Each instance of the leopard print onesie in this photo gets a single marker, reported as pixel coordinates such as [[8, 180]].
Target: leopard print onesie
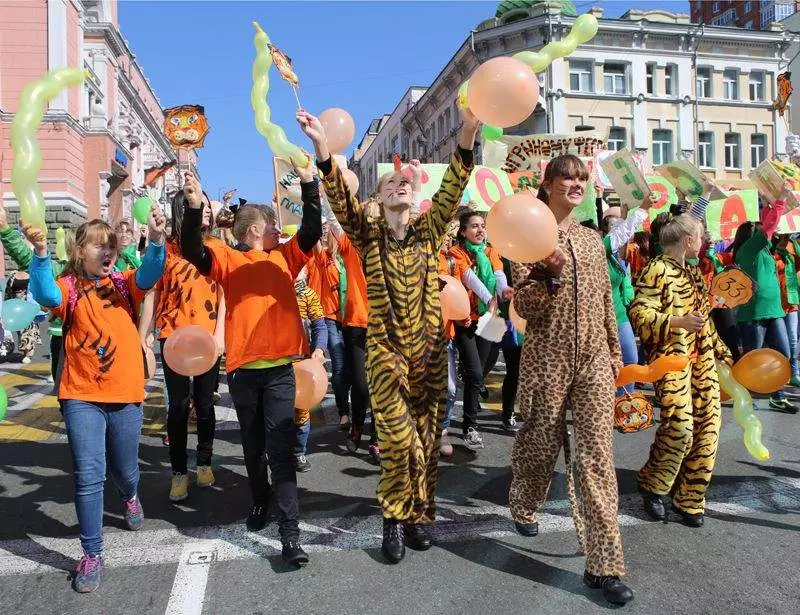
[[406, 350], [570, 355]]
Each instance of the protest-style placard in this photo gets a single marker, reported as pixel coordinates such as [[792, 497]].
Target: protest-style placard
[[523, 153], [626, 178]]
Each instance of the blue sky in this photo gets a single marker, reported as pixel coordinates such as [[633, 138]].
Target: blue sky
[[361, 56]]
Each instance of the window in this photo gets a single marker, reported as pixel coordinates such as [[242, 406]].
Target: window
[[730, 80], [447, 126], [670, 80], [616, 138], [651, 70], [703, 83], [758, 149], [580, 76], [442, 133], [432, 140], [396, 145], [733, 159], [662, 146], [748, 6], [705, 149], [715, 7], [614, 79], [756, 86]]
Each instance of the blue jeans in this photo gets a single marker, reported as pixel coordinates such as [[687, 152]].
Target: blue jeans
[[791, 331], [96, 431], [630, 353], [452, 385], [772, 330], [303, 431], [339, 382]]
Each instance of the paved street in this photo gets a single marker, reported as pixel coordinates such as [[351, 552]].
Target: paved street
[[198, 557]]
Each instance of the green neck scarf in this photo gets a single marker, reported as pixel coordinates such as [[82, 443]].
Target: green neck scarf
[[483, 269], [342, 285]]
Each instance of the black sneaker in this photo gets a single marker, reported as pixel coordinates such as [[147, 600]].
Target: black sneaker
[[417, 537], [690, 519], [293, 553], [301, 463], [527, 529], [783, 405], [614, 590], [654, 506], [257, 518], [484, 392], [393, 546]]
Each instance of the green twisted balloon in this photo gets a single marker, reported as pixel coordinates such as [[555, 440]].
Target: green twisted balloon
[[274, 134], [27, 154], [743, 412], [582, 31]]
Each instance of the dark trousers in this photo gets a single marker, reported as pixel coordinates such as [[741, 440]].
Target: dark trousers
[[56, 341], [511, 354], [180, 389], [355, 352], [264, 403], [728, 330], [473, 352]]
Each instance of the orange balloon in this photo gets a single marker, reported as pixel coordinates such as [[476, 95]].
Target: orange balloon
[[762, 371], [522, 228], [311, 383], [454, 299], [190, 351], [502, 92], [520, 324], [351, 179], [339, 128], [655, 371]]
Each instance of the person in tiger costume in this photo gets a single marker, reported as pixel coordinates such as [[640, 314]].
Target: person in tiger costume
[[406, 351], [670, 313]]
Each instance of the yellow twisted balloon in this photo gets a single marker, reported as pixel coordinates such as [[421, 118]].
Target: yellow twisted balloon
[[61, 244], [274, 134], [582, 31], [27, 154], [743, 412]]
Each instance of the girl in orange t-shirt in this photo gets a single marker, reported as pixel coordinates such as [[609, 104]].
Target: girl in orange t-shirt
[[185, 297], [101, 376]]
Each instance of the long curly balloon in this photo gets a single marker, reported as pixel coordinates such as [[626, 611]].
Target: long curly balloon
[[274, 134], [655, 371], [743, 412], [582, 31], [61, 244], [27, 154]]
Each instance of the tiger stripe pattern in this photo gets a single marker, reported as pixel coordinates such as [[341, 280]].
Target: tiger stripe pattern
[[406, 352], [682, 456]]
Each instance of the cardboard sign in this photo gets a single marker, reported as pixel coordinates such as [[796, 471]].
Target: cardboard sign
[[731, 288], [663, 190], [690, 180], [515, 153], [626, 178], [287, 193], [771, 179], [485, 185]]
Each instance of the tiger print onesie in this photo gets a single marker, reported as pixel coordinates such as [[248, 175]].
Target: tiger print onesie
[[569, 357], [406, 351], [685, 447]]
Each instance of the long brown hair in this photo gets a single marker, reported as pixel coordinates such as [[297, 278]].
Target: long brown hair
[[93, 231], [566, 165]]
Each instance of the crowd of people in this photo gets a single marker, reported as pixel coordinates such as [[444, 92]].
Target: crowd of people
[[359, 282]]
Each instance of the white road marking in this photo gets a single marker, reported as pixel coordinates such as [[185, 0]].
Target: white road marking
[[189, 588]]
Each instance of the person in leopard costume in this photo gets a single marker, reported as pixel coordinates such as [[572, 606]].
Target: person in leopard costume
[[570, 358]]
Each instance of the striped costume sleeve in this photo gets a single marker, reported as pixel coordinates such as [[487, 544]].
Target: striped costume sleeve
[[313, 304], [699, 207], [447, 198], [344, 205], [646, 312]]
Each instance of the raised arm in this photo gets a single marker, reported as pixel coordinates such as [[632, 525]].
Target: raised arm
[[192, 246], [154, 257], [311, 224], [42, 285]]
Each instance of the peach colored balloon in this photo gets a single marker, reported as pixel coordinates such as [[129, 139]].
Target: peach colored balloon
[[351, 179], [522, 228], [190, 351], [311, 383], [502, 92], [454, 299], [520, 324], [339, 128], [762, 371]]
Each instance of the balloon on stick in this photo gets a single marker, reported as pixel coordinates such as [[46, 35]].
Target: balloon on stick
[[311, 383], [522, 228], [339, 128], [190, 351], [27, 154]]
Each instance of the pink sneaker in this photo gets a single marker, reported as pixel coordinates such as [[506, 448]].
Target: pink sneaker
[[134, 515], [375, 452], [87, 575]]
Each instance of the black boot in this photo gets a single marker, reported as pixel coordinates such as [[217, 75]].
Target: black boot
[[257, 518], [614, 590], [527, 529], [293, 553], [654, 506], [393, 546], [417, 537], [689, 519]]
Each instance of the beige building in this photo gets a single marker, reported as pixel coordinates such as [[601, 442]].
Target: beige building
[[652, 80]]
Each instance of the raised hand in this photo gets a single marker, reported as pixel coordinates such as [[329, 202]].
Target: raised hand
[[306, 173], [192, 191], [157, 223], [37, 237], [313, 129]]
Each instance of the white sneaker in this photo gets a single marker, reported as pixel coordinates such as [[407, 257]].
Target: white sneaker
[[473, 439], [26, 360]]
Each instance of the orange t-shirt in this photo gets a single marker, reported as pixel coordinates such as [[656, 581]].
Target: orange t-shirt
[[185, 296], [355, 306], [323, 278], [465, 260], [262, 320], [104, 360]]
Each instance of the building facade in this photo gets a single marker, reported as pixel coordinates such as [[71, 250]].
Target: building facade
[[748, 14], [98, 140], [650, 80]]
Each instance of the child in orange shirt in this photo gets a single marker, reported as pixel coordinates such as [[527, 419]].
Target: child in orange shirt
[[100, 382], [263, 333], [184, 297]]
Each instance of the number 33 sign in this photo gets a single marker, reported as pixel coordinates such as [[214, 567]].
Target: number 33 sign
[[730, 288]]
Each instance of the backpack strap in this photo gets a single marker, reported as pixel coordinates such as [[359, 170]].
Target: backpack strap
[[122, 288]]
